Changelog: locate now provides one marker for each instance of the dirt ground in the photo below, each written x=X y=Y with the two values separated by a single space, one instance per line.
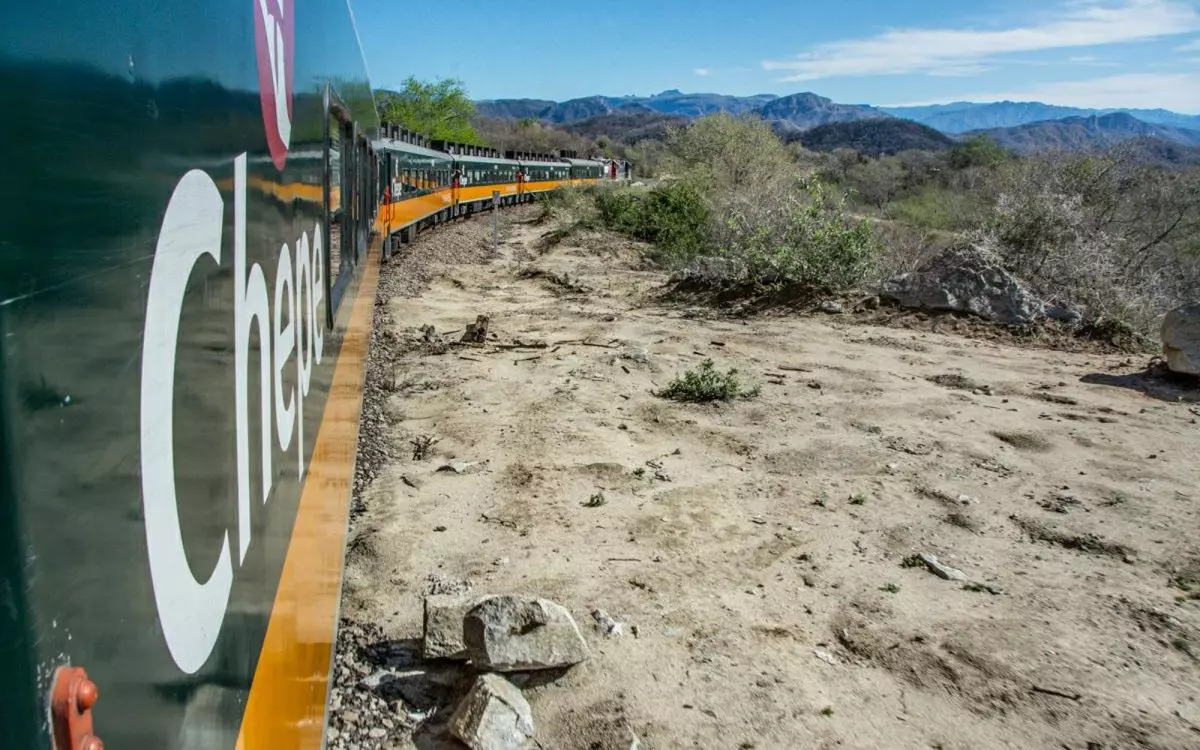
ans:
x=764 y=548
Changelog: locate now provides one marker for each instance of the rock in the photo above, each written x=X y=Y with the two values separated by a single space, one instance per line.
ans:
x=966 y=279
x=608 y=625
x=1064 y=313
x=942 y=570
x=512 y=633
x=1181 y=339
x=493 y=716
x=462 y=467
x=444 y=614
x=415 y=482
x=832 y=307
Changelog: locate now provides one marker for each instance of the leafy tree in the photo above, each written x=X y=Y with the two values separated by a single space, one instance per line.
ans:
x=979 y=151
x=440 y=110
x=721 y=152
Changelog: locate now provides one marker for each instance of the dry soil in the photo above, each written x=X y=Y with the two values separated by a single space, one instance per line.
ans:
x=763 y=548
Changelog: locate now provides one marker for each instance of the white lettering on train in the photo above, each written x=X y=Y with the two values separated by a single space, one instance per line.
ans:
x=192 y=610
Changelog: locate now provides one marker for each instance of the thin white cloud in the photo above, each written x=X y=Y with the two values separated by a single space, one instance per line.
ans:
x=1192 y=46
x=1179 y=92
x=960 y=71
x=702 y=72
x=1084 y=23
x=1083 y=59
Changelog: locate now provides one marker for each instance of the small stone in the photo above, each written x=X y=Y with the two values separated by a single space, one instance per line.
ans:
x=941 y=570
x=415 y=482
x=377 y=733
x=462 y=467
x=516 y=633
x=444 y=615
x=493 y=716
x=349 y=717
x=831 y=307
x=966 y=500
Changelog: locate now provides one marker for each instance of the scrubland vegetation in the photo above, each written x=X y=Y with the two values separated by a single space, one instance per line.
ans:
x=1107 y=235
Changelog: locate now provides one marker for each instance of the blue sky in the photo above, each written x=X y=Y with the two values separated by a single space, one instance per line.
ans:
x=1091 y=53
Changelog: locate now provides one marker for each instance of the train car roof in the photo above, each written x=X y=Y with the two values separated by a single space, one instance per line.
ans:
x=467 y=159
x=392 y=144
x=544 y=162
x=580 y=162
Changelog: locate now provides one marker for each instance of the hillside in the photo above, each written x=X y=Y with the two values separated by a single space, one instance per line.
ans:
x=627 y=127
x=808 y=110
x=876 y=136
x=961 y=117
x=1086 y=133
x=514 y=109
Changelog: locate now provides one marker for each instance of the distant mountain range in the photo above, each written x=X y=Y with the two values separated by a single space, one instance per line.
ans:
x=806 y=110
x=668 y=103
x=1087 y=133
x=961 y=117
x=1020 y=126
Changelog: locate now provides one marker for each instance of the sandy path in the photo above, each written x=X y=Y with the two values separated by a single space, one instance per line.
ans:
x=758 y=545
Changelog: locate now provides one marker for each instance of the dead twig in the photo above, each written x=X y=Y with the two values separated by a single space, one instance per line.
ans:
x=790 y=368
x=527 y=359
x=602 y=346
x=518 y=345
x=717 y=343
x=469 y=359
x=1055 y=693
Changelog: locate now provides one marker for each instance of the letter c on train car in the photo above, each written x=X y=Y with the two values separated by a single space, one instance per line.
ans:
x=191 y=611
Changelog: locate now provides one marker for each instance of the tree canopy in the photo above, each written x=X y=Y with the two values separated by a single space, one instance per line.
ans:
x=440 y=110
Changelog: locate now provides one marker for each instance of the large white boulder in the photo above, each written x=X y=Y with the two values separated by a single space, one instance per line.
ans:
x=1181 y=339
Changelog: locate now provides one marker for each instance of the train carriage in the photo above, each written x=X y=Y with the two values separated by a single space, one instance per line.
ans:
x=186 y=284
x=197 y=199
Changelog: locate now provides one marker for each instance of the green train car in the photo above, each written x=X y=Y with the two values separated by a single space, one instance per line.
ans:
x=196 y=203
x=188 y=226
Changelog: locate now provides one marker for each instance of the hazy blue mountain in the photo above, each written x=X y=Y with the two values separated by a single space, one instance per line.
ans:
x=1087 y=133
x=808 y=110
x=698 y=105
x=671 y=102
x=961 y=117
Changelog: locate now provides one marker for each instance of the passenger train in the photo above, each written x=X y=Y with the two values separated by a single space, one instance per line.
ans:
x=197 y=199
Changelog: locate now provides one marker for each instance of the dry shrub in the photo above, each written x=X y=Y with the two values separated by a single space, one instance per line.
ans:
x=1115 y=238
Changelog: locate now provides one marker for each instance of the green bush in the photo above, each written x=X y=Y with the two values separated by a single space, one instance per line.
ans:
x=706 y=383
x=804 y=236
x=672 y=217
x=938 y=209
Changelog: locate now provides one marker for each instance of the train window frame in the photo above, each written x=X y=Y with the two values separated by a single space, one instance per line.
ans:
x=336 y=121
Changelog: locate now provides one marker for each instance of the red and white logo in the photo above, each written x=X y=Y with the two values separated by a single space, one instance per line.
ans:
x=273 y=38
